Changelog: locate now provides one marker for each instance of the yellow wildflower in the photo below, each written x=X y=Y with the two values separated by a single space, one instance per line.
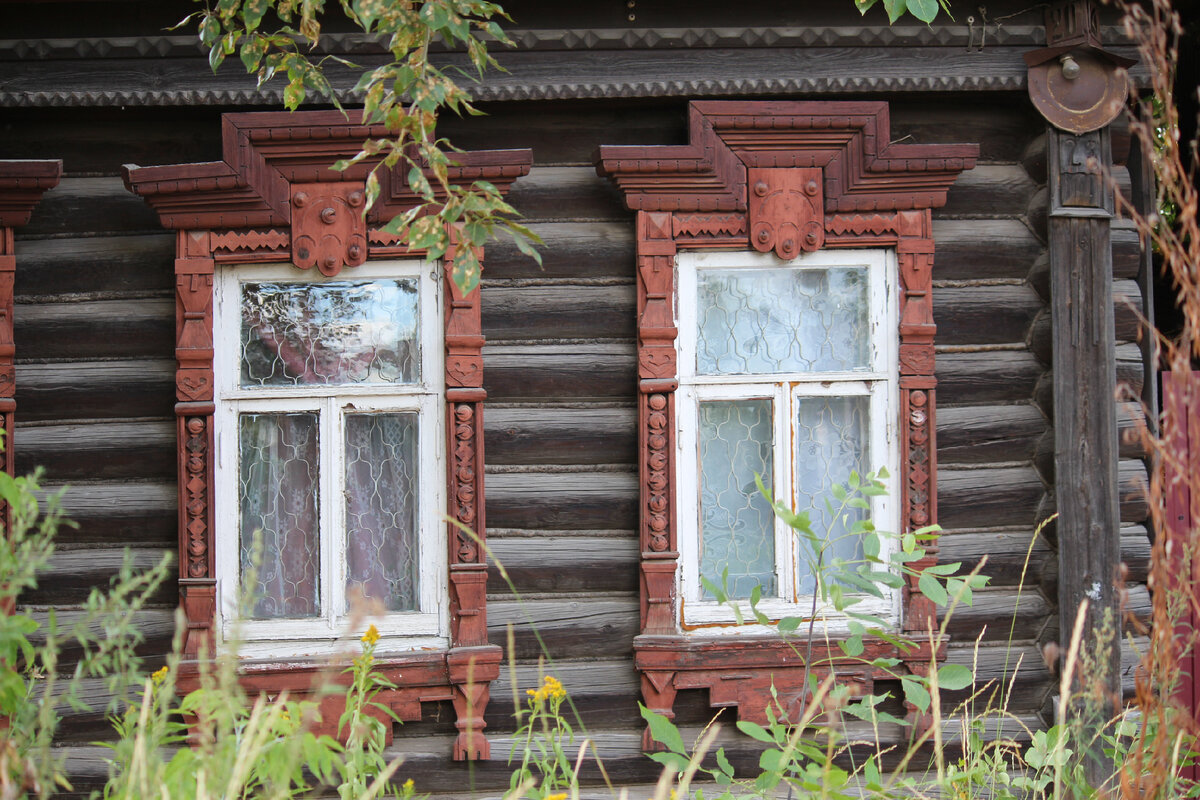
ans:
x=372 y=635
x=551 y=689
x=557 y=796
x=408 y=785
x=159 y=675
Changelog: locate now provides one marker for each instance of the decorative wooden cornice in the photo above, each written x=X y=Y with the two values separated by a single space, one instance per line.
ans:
x=22 y=184
x=264 y=153
x=849 y=141
x=900 y=35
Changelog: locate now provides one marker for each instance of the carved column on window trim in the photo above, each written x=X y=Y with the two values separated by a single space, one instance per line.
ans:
x=8 y=403
x=472 y=662
x=657 y=382
x=22 y=183
x=194 y=408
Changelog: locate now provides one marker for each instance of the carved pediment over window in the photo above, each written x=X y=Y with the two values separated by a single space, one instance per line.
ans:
x=788 y=178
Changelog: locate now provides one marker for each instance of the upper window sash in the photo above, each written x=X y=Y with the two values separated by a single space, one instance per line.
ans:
x=227 y=327
x=880 y=362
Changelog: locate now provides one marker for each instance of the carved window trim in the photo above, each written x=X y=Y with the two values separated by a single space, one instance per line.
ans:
x=837 y=182
x=22 y=184
x=273 y=198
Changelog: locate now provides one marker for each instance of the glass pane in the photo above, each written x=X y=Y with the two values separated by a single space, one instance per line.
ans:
x=334 y=332
x=279 y=504
x=381 y=509
x=832 y=438
x=736 y=522
x=768 y=321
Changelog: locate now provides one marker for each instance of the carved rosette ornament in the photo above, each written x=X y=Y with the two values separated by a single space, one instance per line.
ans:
x=278 y=200
x=788 y=178
x=22 y=184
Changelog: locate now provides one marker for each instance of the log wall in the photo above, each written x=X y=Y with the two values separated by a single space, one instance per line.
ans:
x=94 y=331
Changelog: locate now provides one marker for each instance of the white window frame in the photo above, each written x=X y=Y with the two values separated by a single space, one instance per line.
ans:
x=426 y=627
x=881 y=384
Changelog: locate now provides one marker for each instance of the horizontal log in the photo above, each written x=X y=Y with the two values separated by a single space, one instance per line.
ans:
x=988 y=190
x=975 y=498
x=562 y=501
x=1126 y=250
x=983 y=249
x=563 y=436
x=1001 y=614
x=120 y=513
x=567 y=193
x=986 y=377
x=98 y=329
x=986 y=434
x=112 y=265
x=92 y=206
x=156 y=625
x=102 y=450
x=71 y=575
x=1013 y=558
x=984 y=314
x=564 y=564
x=89 y=390
x=559 y=312
x=1017 y=556
x=584 y=627
x=560 y=372
x=569 y=250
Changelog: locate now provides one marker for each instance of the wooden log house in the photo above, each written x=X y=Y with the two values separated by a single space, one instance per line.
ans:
x=571 y=382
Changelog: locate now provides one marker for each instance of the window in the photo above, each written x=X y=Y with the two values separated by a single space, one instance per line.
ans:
x=787 y=371
x=314 y=405
x=329 y=419
x=785 y=328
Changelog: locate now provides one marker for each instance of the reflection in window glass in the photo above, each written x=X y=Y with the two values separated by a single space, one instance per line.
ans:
x=278 y=501
x=771 y=321
x=736 y=522
x=330 y=333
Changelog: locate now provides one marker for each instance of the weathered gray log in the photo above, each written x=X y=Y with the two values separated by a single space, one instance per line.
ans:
x=564 y=564
x=986 y=378
x=562 y=501
x=560 y=372
x=141 y=328
x=125 y=512
x=101 y=450
x=96 y=266
x=974 y=315
x=559 y=312
x=988 y=434
x=96 y=389
x=563 y=436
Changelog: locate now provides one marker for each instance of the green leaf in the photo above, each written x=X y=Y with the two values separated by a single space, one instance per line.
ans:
x=924 y=10
x=895 y=8
x=853 y=646
x=771 y=760
x=932 y=588
x=723 y=763
x=788 y=624
x=673 y=760
x=915 y=692
x=525 y=247
x=663 y=731
x=293 y=94
x=954 y=677
x=755 y=731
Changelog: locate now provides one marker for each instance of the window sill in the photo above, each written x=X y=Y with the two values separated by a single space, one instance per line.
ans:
x=461 y=675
